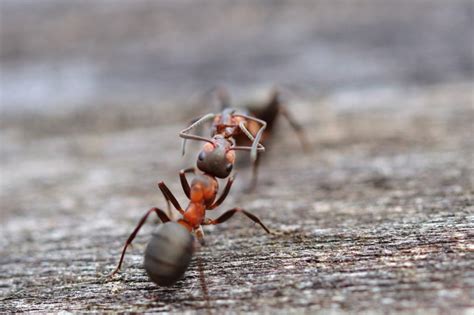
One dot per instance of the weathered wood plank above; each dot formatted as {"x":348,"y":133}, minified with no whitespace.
{"x":378,"y":218}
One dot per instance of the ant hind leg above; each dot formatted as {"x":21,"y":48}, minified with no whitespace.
{"x":161,"y":214}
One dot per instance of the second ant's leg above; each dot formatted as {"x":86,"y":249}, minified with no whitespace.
{"x":296,"y":127}
{"x":200,"y":235}
{"x":256,"y":141}
{"x":161,"y":214}
{"x":229,"y":213}
{"x":184,"y":133}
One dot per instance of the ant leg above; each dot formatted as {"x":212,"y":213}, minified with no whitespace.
{"x":253,"y":181}
{"x":255,"y":162}
{"x":184,"y":133}
{"x":161,"y":214}
{"x":184,"y":181}
{"x":169,"y":213}
{"x":259,"y":147}
{"x":253,"y":154}
{"x":200,"y":235}
{"x":296,"y":127}
{"x":255,"y":141}
{"x":225,"y":192}
{"x":170,"y":197}
{"x":229,"y":213}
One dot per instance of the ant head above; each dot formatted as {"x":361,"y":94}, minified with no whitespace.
{"x":216,"y":158}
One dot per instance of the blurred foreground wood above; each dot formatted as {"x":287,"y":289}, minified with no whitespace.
{"x":379,"y":217}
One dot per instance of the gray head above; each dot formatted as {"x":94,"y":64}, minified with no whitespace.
{"x":216,"y":158}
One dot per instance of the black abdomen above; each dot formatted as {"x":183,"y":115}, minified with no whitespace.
{"x":168,"y":253}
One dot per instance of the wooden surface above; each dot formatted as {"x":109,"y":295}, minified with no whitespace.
{"x":378,"y":217}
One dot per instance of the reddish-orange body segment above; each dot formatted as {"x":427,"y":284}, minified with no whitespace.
{"x":202,"y":195}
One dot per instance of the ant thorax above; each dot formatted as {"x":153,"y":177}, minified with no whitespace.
{"x":204,"y":188}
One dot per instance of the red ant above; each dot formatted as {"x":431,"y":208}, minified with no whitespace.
{"x":169,"y":252}
{"x":239,"y":128}
{"x":215,"y":157}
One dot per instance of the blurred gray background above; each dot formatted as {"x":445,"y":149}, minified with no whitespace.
{"x":58,"y":55}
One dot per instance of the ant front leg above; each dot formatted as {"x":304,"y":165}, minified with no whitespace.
{"x":184,"y":181}
{"x":161,"y":214}
{"x":170,"y":197}
{"x":224,"y":194}
{"x":229,"y":213}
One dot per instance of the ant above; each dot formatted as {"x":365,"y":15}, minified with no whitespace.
{"x":226,"y":125}
{"x":169,"y":252}
{"x":239,"y":128}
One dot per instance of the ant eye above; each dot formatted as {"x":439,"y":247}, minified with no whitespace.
{"x":201,"y":156}
{"x":229,"y":167}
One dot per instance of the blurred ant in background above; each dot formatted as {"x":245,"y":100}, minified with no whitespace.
{"x":244,"y":128}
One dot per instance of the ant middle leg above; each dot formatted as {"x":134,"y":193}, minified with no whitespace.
{"x":229,"y":213}
{"x":161,"y":214}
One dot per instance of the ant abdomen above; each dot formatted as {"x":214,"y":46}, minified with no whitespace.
{"x":169,"y":253}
